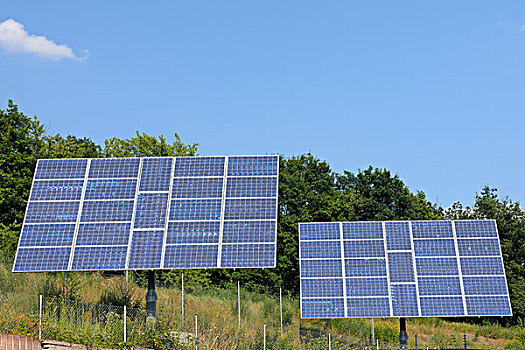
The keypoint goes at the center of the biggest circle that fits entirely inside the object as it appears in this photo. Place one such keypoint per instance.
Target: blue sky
(433, 91)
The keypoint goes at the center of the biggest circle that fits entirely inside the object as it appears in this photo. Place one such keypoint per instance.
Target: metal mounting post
(403, 336)
(151, 299)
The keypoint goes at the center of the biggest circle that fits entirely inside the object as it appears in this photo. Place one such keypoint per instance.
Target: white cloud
(14, 38)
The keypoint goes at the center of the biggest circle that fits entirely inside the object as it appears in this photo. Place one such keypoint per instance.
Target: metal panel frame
(456, 256)
(168, 209)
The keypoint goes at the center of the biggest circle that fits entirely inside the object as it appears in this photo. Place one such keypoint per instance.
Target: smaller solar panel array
(150, 213)
(402, 269)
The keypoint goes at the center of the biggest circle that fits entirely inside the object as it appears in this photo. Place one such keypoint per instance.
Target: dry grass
(218, 320)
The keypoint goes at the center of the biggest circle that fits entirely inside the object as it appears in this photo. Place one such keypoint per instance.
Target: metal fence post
(125, 324)
(373, 331)
(329, 341)
(281, 308)
(196, 344)
(239, 301)
(264, 336)
(182, 300)
(40, 319)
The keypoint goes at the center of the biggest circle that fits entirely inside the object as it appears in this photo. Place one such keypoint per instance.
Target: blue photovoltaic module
(150, 213)
(402, 269)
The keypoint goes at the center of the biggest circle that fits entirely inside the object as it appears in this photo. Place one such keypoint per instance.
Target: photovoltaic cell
(99, 258)
(249, 231)
(191, 256)
(111, 189)
(107, 211)
(114, 168)
(397, 235)
(322, 308)
(437, 266)
(195, 209)
(61, 169)
(321, 231)
(404, 300)
(252, 187)
(432, 268)
(365, 267)
(42, 259)
(481, 266)
(151, 210)
(321, 268)
(50, 190)
(364, 249)
(371, 287)
(401, 267)
(315, 288)
(106, 233)
(434, 247)
(369, 307)
(193, 232)
(47, 235)
(51, 212)
(239, 166)
(247, 255)
(432, 229)
(442, 306)
(146, 249)
(479, 247)
(246, 209)
(156, 174)
(362, 230)
(181, 207)
(476, 228)
(199, 166)
(195, 187)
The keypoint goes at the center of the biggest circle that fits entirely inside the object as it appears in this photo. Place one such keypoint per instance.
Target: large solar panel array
(150, 213)
(402, 269)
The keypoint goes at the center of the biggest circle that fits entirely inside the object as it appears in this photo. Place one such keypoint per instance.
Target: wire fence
(117, 326)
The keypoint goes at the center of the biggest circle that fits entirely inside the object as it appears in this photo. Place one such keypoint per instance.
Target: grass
(218, 318)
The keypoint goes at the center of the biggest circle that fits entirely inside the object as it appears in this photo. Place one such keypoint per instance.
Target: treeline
(308, 191)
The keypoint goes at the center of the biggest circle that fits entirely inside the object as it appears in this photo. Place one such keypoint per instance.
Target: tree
(22, 143)
(69, 147)
(148, 146)
(374, 194)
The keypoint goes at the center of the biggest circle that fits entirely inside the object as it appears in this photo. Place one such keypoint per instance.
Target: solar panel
(402, 269)
(150, 213)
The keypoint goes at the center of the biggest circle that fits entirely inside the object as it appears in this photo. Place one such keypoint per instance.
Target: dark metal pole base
(403, 336)
(151, 300)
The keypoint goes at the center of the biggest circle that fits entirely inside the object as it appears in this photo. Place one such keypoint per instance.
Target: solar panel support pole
(63, 284)
(403, 336)
(151, 298)
(329, 341)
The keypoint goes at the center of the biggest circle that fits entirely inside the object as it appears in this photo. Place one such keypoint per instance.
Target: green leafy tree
(22, 142)
(20, 145)
(510, 218)
(148, 146)
(69, 147)
(376, 194)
